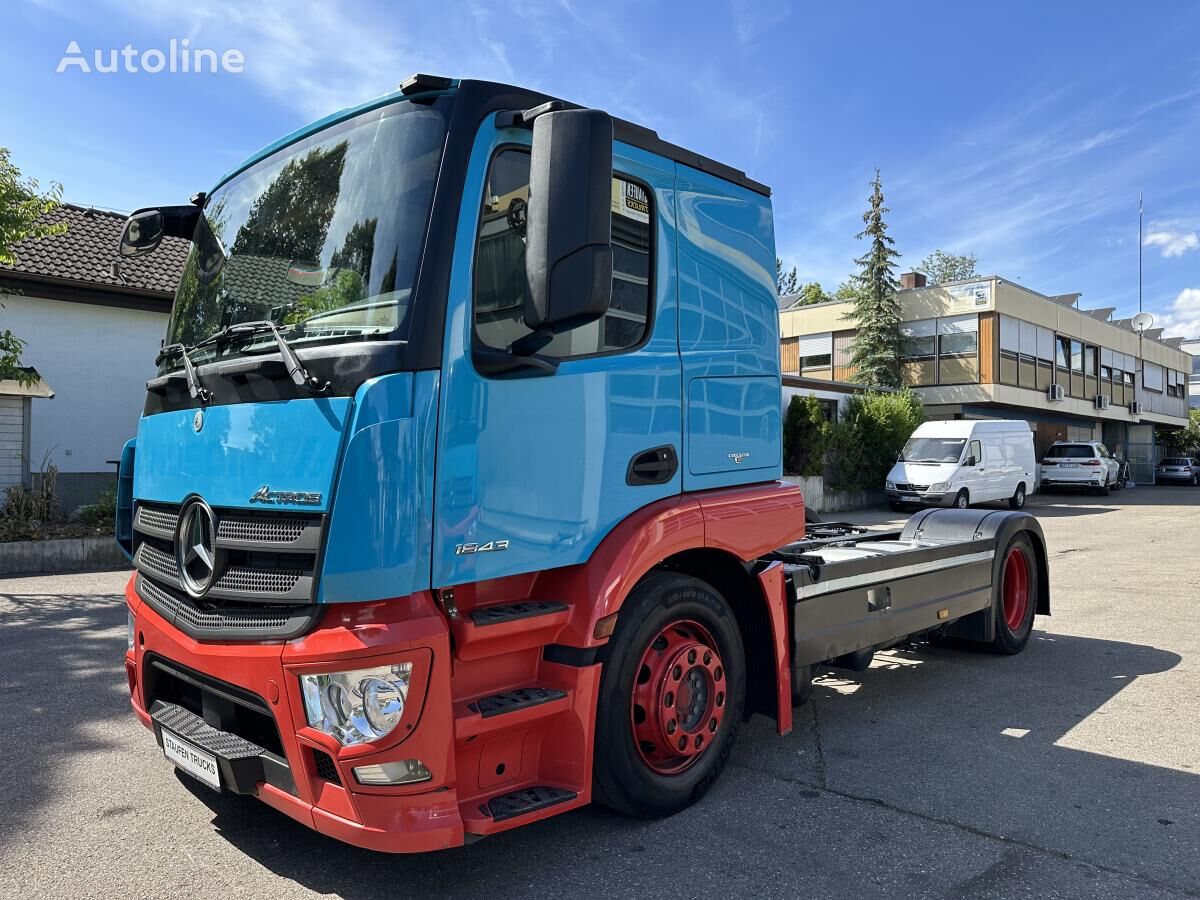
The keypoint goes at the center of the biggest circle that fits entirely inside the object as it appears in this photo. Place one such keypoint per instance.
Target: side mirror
(971, 461)
(143, 232)
(145, 228)
(568, 250)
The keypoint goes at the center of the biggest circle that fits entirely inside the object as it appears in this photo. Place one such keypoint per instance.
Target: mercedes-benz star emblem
(195, 547)
(198, 420)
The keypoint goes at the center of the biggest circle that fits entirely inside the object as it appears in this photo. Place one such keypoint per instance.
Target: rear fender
(941, 526)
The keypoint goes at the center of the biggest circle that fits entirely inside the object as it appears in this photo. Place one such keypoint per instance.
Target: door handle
(655, 466)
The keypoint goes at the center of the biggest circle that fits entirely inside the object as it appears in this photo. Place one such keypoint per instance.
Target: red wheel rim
(1015, 588)
(679, 697)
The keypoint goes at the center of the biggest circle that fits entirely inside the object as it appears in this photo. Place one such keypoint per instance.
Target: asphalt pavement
(1072, 770)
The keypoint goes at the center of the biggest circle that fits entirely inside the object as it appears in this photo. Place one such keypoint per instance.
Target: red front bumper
(409, 819)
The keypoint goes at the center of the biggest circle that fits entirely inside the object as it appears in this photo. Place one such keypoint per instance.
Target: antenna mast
(1139, 251)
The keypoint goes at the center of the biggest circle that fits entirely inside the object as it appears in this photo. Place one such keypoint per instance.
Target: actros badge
(301, 498)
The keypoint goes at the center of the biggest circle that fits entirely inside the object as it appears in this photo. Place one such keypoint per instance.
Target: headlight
(129, 631)
(940, 487)
(891, 485)
(357, 707)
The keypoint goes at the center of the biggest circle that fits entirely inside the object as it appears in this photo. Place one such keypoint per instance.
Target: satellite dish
(1142, 321)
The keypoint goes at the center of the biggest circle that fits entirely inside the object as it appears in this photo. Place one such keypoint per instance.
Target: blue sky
(1021, 132)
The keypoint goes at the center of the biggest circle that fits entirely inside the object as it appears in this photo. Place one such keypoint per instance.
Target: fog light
(129, 631)
(406, 771)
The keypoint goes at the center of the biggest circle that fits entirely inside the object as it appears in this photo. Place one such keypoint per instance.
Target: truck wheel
(1017, 500)
(672, 689)
(1015, 596)
(963, 500)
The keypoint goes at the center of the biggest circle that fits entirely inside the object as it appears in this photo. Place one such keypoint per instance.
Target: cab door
(535, 469)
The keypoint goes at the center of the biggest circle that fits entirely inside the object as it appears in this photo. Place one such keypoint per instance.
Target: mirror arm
(490, 361)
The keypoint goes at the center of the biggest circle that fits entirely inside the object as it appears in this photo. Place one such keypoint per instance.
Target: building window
(816, 355)
(1010, 351)
(1152, 377)
(500, 265)
(1045, 358)
(918, 351)
(958, 349)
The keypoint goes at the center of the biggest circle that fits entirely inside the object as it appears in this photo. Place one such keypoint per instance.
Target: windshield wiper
(295, 368)
(197, 390)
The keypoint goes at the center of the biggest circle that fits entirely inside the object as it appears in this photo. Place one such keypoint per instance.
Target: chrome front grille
(260, 557)
(261, 531)
(900, 486)
(229, 621)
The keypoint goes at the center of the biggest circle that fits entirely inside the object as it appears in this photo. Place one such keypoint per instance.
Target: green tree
(788, 282)
(876, 311)
(847, 290)
(941, 267)
(1186, 440)
(862, 447)
(24, 212)
(812, 293)
(804, 429)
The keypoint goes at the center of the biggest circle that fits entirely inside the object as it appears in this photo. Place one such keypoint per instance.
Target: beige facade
(992, 348)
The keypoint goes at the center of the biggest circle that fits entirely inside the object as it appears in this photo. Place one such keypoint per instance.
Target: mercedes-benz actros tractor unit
(456, 502)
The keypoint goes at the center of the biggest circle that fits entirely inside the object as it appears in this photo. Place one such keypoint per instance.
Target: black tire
(962, 500)
(1017, 500)
(1009, 639)
(1103, 491)
(1195, 480)
(622, 778)
(802, 685)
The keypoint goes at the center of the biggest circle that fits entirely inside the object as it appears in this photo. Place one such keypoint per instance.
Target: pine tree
(787, 282)
(875, 309)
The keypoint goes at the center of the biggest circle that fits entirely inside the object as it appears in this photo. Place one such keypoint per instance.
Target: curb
(60, 555)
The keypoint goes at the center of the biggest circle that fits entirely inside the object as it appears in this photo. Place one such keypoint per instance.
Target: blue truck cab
(456, 499)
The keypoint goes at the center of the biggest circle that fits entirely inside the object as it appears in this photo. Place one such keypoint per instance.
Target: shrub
(102, 513)
(804, 430)
(863, 446)
(27, 510)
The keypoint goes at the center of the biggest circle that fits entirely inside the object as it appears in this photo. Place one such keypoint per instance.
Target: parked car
(1177, 470)
(1081, 464)
(961, 462)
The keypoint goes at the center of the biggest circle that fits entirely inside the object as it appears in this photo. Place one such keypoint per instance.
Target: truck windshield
(322, 238)
(932, 450)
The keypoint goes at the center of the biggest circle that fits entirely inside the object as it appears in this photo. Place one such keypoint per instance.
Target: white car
(1081, 464)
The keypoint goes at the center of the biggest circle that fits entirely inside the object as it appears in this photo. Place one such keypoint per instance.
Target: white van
(958, 463)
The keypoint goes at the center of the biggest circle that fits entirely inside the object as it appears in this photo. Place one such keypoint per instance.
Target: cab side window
(500, 265)
(975, 452)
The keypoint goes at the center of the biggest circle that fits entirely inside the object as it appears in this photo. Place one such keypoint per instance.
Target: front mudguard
(948, 526)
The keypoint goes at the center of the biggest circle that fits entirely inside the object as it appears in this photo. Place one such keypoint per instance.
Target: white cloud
(1183, 316)
(1172, 242)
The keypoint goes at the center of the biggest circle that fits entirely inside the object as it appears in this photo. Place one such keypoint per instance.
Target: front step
(488, 631)
(510, 612)
(525, 801)
(511, 701)
(516, 708)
